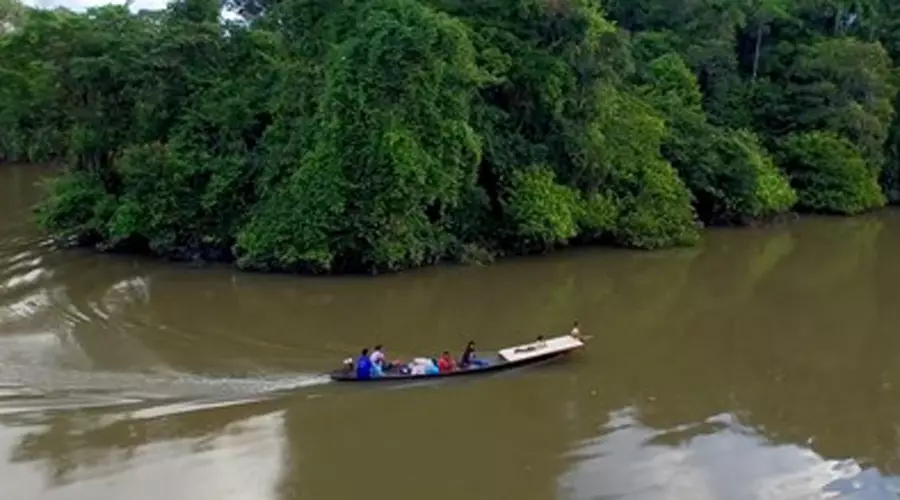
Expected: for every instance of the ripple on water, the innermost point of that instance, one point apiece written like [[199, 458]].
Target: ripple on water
[[25, 307], [24, 283]]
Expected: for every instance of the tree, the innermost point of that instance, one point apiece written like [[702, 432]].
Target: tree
[[761, 13], [379, 135], [830, 175]]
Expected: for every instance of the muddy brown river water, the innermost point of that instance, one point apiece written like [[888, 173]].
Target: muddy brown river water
[[762, 364]]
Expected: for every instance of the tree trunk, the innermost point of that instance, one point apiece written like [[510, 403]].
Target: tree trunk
[[759, 34]]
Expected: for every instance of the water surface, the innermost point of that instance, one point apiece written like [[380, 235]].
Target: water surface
[[762, 364]]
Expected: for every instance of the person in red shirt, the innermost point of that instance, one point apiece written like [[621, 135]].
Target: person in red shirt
[[446, 363]]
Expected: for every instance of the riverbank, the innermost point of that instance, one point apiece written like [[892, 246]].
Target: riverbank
[[396, 134], [470, 255], [200, 259]]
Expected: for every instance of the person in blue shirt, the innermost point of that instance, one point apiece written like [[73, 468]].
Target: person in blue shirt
[[364, 365]]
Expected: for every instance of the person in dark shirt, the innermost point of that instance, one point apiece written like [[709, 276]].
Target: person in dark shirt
[[468, 354], [468, 357]]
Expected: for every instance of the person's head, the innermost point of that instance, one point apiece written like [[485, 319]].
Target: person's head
[[575, 324], [365, 351], [471, 345], [446, 354], [378, 347], [540, 338]]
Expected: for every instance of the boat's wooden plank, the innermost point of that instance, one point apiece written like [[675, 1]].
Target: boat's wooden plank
[[540, 348]]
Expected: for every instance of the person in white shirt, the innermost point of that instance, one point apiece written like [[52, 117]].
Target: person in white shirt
[[377, 355], [377, 358], [576, 332]]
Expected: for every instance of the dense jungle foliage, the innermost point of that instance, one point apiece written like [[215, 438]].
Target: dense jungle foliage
[[333, 136]]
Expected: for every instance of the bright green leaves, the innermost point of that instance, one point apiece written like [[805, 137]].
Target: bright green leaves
[[658, 214], [653, 204], [77, 207], [753, 187], [771, 193], [392, 149], [291, 229], [730, 175], [830, 175], [542, 212], [159, 205], [672, 86]]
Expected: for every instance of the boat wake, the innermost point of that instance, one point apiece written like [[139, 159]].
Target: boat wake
[[154, 395]]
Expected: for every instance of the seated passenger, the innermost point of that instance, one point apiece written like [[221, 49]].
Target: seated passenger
[[378, 358], [446, 363], [468, 357], [364, 365]]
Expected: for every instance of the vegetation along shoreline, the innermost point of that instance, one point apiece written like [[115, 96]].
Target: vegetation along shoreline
[[327, 137]]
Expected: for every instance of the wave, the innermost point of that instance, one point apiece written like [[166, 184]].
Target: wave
[[46, 390]]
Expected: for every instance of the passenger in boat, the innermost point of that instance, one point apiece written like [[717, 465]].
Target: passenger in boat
[[468, 358], [446, 363], [576, 332], [378, 358], [468, 355], [364, 365]]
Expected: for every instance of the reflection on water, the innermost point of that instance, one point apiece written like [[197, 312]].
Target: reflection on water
[[122, 459], [709, 460], [761, 365]]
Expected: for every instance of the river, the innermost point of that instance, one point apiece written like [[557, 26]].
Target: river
[[763, 363]]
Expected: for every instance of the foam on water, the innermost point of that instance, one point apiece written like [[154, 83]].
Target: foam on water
[[34, 389]]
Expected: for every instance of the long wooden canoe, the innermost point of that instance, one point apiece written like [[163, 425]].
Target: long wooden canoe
[[504, 359]]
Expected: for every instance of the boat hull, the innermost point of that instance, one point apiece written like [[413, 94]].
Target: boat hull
[[535, 355]]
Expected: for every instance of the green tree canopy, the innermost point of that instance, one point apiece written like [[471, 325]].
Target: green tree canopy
[[385, 134]]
